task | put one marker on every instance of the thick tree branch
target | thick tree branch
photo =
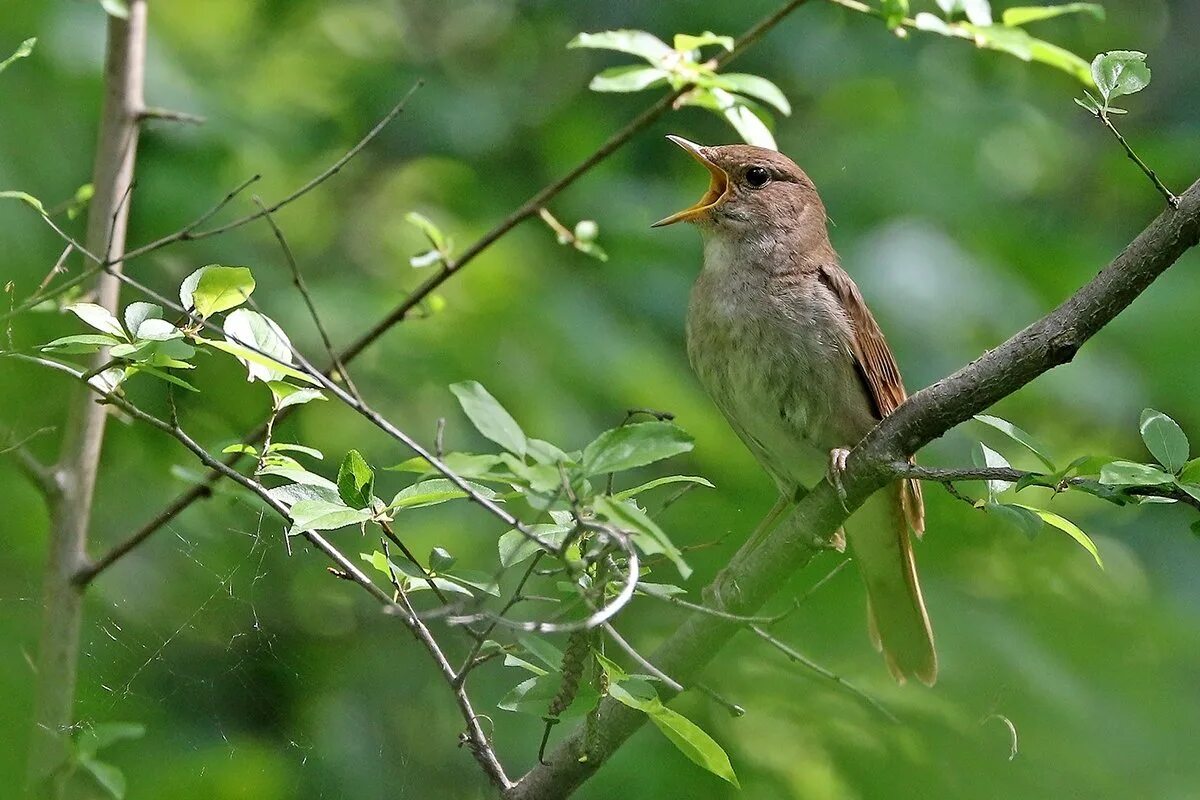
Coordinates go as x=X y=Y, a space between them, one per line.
x=753 y=576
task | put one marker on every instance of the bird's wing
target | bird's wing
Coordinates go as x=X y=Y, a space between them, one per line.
x=876 y=367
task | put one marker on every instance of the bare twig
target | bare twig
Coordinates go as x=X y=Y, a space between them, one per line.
x=1172 y=200
x=169 y=115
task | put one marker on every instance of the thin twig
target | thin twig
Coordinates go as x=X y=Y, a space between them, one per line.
x=169 y=115
x=1172 y=199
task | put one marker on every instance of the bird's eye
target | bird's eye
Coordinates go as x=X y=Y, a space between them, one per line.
x=757 y=177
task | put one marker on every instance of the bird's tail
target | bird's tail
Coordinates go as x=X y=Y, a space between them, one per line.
x=896 y=616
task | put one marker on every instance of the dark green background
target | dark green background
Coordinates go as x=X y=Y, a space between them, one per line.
x=969 y=194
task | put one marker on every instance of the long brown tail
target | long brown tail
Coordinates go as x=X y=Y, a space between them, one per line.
x=896 y=616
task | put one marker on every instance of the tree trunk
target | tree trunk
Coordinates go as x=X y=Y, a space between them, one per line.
x=75 y=473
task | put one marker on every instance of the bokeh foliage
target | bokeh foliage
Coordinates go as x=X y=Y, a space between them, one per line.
x=969 y=195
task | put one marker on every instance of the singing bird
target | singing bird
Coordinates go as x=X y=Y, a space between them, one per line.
x=783 y=342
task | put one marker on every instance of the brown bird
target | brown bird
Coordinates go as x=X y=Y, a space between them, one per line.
x=784 y=344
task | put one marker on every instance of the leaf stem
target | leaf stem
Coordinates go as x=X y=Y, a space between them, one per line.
x=1172 y=199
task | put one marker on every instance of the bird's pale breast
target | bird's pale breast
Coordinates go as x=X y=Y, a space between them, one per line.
x=771 y=346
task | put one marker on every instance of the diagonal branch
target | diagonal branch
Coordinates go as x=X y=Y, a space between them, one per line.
x=755 y=574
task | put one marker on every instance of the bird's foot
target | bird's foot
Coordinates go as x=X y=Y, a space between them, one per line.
x=837 y=465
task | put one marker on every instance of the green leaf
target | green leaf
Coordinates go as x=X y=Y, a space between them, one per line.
x=516 y=661
x=634 y=445
x=94 y=738
x=1191 y=472
x=23 y=50
x=26 y=198
x=475 y=580
x=541 y=649
x=161 y=375
x=631 y=78
x=638 y=43
x=285 y=395
x=432 y=232
x=533 y=696
x=356 y=480
x=984 y=456
x=1127 y=473
x=925 y=21
x=156 y=330
x=261 y=345
x=693 y=479
x=515 y=546
x=546 y=453
x=81 y=343
x=277 y=447
x=249 y=450
x=1019 y=436
x=660 y=589
x=464 y=465
x=685 y=43
x=116 y=8
x=979 y=12
x=1164 y=439
x=300 y=475
x=1054 y=56
x=756 y=87
x=212 y=289
x=137 y=313
x=1120 y=72
x=320 y=515
x=895 y=12
x=1193 y=489
x=98 y=317
x=1022 y=15
x=109 y=778
x=646 y=534
x=1070 y=528
x=293 y=493
x=435 y=491
x=1018 y=516
x=440 y=559
x=748 y=124
x=489 y=417
x=688 y=737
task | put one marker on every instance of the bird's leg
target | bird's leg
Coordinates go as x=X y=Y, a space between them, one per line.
x=837 y=465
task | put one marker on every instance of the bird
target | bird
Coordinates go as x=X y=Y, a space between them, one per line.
x=782 y=341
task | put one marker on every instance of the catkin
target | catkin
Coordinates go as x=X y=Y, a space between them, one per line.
x=574 y=656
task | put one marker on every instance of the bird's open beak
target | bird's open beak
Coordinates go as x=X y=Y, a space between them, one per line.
x=719 y=184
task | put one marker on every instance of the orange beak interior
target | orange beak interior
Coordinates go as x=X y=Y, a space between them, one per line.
x=717 y=187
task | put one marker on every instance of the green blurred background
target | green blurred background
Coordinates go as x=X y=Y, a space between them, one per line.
x=969 y=195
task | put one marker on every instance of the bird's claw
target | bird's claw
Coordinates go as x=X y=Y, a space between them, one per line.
x=837 y=465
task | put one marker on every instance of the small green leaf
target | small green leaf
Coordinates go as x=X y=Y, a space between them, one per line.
x=161 y=375
x=464 y=465
x=1191 y=472
x=693 y=479
x=474 y=579
x=26 y=198
x=1192 y=489
x=137 y=313
x=1018 y=516
x=319 y=515
x=23 y=50
x=634 y=445
x=356 y=480
x=435 y=491
x=756 y=87
x=279 y=447
x=895 y=12
x=489 y=417
x=925 y=21
x=300 y=475
x=293 y=493
x=285 y=395
x=94 y=738
x=685 y=43
x=81 y=343
x=1070 y=528
x=249 y=450
x=541 y=649
x=1017 y=435
x=1164 y=439
x=660 y=589
x=515 y=546
x=979 y=12
x=109 y=778
x=432 y=232
x=98 y=317
x=984 y=456
x=630 y=78
x=646 y=533
x=261 y=345
x=441 y=560
x=1120 y=72
x=1127 y=473
x=533 y=696
x=116 y=8
x=1022 y=15
x=638 y=43
x=212 y=289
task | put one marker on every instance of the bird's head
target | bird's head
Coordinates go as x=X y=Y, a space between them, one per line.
x=753 y=192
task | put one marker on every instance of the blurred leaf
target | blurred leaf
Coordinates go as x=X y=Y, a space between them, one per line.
x=432 y=232
x=979 y=12
x=1120 y=72
x=116 y=8
x=435 y=491
x=533 y=696
x=646 y=533
x=489 y=417
x=516 y=661
x=356 y=480
x=1127 y=473
x=300 y=475
x=94 y=738
x=1191 y=472
x=213 y=289
x=98 y=317
x=632 y=78
x=1017 y=435
x=320 y=515
x=23 y=50
x=1192 y=489
x=81 y=343
x=925 y=21
x=464 y=465
x=541 y=649
x=634 y=445
x=984 y=456
x=475 y=580
x=440 y=559
x=756 y=87
x=546 y=453
x=515 y=546
x=241 y=448
x=260 y=345
x=26 y=198
x=1015 y=41
x=1070 y=528
x=687 y=42
x=628 y=493
x=1019 y=516
x=894 y=12
x=298 y=448
x=660 y=589
x=162 y=376
x=1164 y=439
x=638 y=43
x=110 y=779
x=1022 y=15
x=285 y=395
x=426 y=259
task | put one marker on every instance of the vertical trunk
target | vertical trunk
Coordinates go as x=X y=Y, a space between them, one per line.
x=112 y=174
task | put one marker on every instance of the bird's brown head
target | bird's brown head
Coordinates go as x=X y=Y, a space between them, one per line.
x=753 y=192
